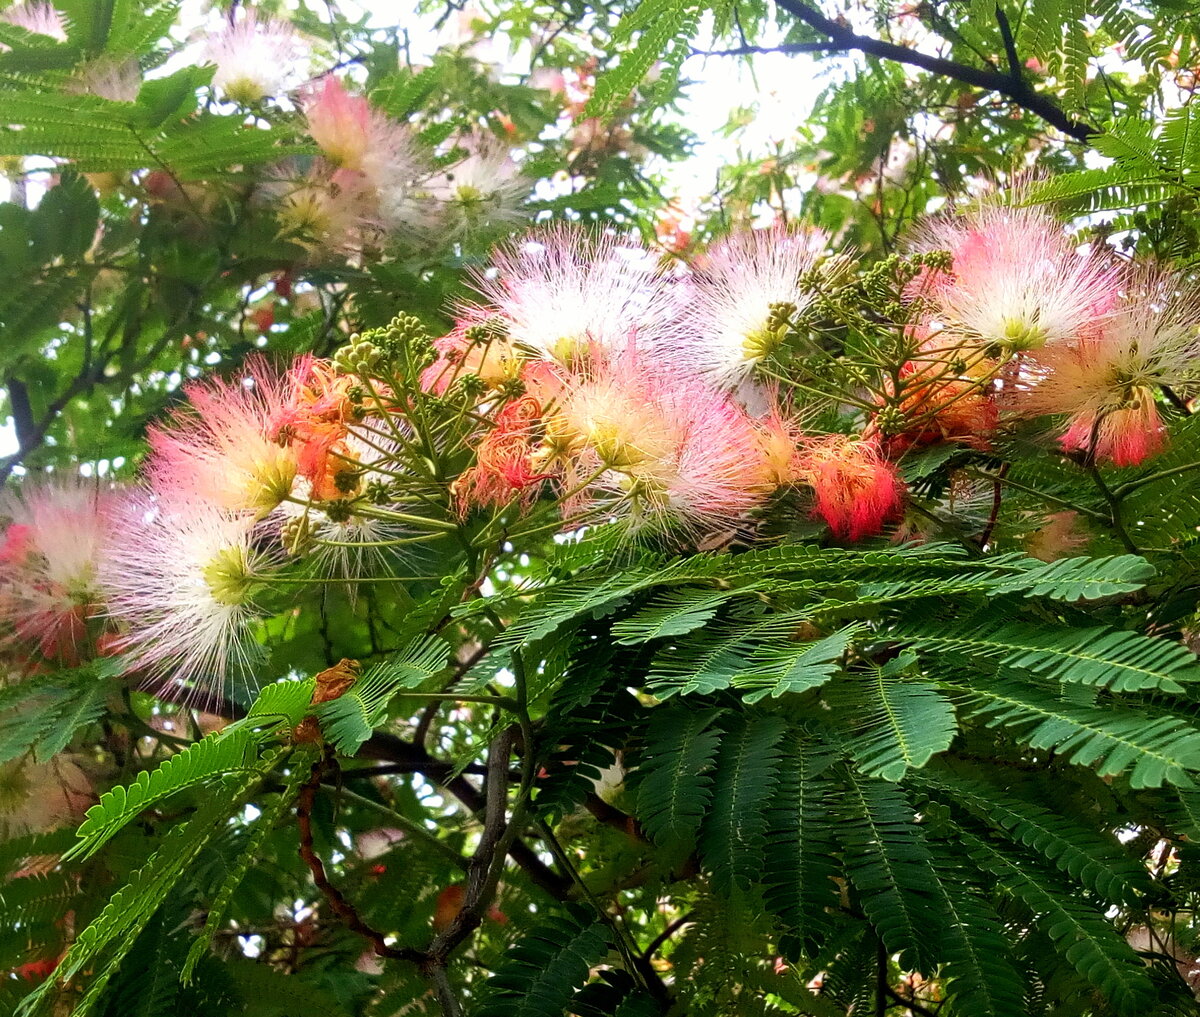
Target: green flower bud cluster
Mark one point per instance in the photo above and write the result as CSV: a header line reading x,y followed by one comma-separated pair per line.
x,y
296,536
405,334
890,420
359,356
486,332
511,388
339,510
468,387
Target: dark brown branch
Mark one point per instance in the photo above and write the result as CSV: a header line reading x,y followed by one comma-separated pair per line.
x,y
408,758
337,901
785,47
1015,88
673,927
997,497
911,1004
614,817
483,869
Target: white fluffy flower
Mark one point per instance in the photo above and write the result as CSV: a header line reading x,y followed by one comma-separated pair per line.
x,y
562,290
729,326
254,59
37,17
182,578
482,191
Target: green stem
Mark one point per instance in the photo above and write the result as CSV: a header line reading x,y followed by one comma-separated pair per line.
x,y
1132,485
1054,499
1114,506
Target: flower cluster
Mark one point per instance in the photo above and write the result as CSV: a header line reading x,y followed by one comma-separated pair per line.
x,y
592,383
1022,324
642,400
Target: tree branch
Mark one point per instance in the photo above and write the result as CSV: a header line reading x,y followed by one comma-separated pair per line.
x,y
408,758
1015,87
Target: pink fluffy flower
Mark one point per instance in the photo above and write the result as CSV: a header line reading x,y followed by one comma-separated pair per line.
x,y
224,450
49,560
38,17
1016,278
339,122
664,453
562,290
739,299
1106,383
182,578
254,59
857,490
323,210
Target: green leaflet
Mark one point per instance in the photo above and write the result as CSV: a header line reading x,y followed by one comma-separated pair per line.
x,y
540,973
349,720
1112,658
132,907
897,722
802,839
732,835
1096,863
1083,935
197,764
976,951
674,785
673,613
889,864
665,28
301,764
1154,749
44,711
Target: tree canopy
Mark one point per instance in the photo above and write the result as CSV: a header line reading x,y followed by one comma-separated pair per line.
x,y
448,567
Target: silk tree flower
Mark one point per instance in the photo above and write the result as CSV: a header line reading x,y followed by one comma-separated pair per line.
x,y
224,448
1106,384
740,299
324,211
313,420
945,394
50,556
483,191
1015,279
856,490
505,460
358,138
37,797
119,81
182,577
474,346
562,290
254,59
38,17
667,454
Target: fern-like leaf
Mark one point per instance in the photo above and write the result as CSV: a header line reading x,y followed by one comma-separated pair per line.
x,y
733,833
674,782
890,867
802,838
1084,936
541,972
1100,656
1153,748
197,764
897,722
